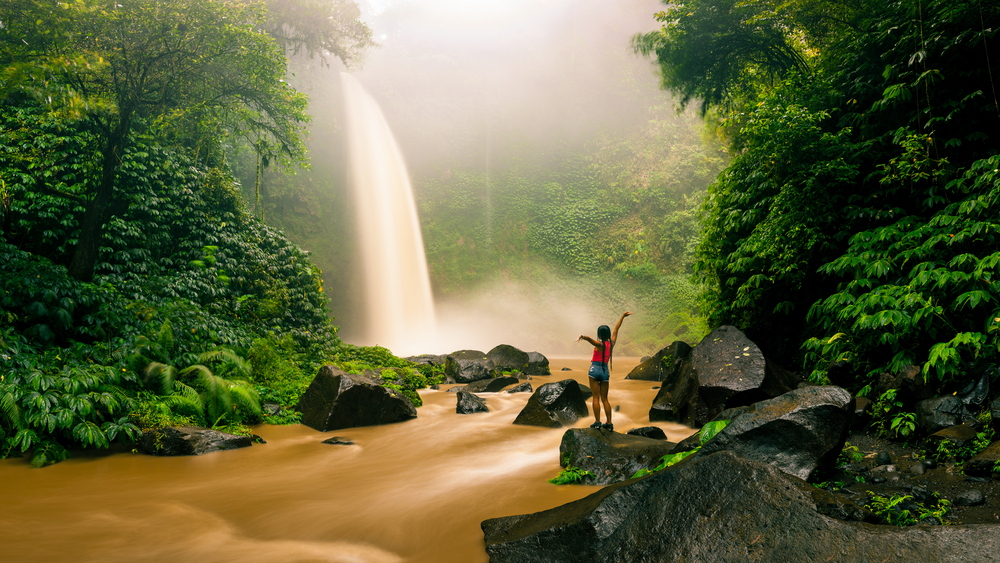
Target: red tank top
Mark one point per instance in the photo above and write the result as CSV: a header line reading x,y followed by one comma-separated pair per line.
x,y
597,354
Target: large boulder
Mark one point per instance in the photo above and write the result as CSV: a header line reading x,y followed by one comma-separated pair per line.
x,y
190,440
508,358
522,388
466,366
678,399
470,404
428,359
940,413
662,364
732,371
610,456
537,364
491,385
723,509
337,400
554,405
798,432
724,370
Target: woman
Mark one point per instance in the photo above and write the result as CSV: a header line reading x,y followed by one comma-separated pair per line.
x,y
600,371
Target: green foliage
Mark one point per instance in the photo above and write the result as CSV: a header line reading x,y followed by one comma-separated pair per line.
x,y
849,454
570,475
51,401
707,432
875,169
888,418
892,511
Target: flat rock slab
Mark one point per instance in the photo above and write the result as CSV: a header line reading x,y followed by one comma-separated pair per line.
x,y
336,400
494,385
611,457
190,440
722,509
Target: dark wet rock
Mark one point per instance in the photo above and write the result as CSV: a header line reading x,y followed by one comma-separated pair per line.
x,y
456,389
862,413
929,463
798,432
687,444
722,509
338,441
910,386
972,497
270,408
982,465
522,388
190,440
428,359
610,456
648,432
923,495
940,413
466,366
878,479
976,391
958,435
840,373
656,387
470,404
732,371
508,358
587,392
554,405
494,385
883,458
662,364
256,439
995,411
566,369
337,400
644,358
724,370
537,364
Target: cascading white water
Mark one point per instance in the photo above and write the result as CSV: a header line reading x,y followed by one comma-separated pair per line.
x,y
399,306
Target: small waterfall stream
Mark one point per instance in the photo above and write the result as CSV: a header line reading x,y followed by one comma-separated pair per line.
x,y
399,306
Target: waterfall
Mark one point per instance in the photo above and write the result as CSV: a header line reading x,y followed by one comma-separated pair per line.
x,y
399,306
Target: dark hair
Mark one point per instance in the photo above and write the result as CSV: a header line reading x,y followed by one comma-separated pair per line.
x,y
604,333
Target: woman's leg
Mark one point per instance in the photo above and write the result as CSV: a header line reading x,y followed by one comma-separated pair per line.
x,y
604,385
595,389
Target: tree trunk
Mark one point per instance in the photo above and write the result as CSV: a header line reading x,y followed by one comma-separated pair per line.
x,y
92,227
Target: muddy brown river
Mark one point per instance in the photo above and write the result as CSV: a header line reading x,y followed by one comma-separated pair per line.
x,y
411,492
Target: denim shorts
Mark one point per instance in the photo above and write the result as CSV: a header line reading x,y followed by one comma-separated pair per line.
x,y
599,372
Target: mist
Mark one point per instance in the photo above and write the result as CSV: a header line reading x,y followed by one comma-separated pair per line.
x,y
479,85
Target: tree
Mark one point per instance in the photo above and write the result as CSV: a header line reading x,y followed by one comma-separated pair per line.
x,y
187,71
718,50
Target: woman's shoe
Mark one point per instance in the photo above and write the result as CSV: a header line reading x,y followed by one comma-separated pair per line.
x,y
609,426
596,425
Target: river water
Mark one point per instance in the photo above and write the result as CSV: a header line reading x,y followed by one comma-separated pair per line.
x,y
410,492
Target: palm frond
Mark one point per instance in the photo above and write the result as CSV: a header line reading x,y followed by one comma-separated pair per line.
x,y
10,411
245,396
158,375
